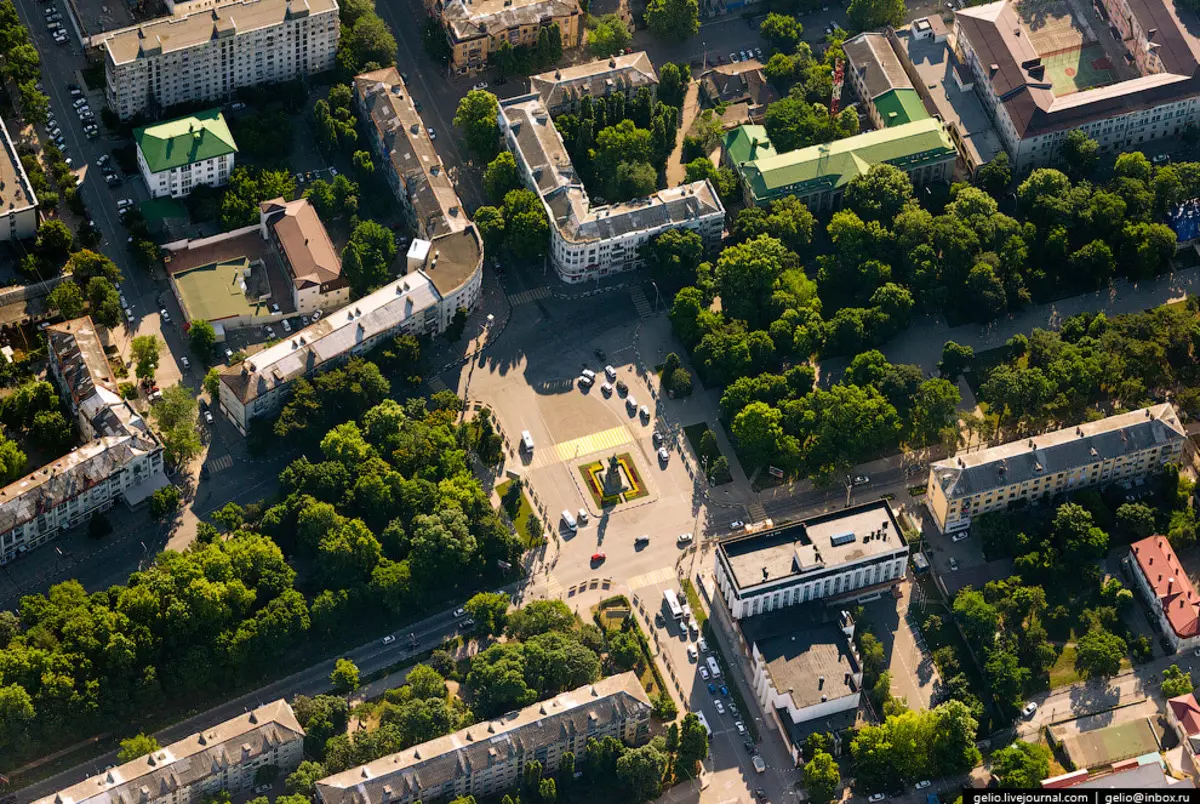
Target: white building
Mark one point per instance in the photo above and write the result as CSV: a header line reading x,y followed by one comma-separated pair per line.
x,y
852,554
208,53
488,758
121,458
1120,448
260,384
179,155
18,204
223,758
1164,586
588,242
307,254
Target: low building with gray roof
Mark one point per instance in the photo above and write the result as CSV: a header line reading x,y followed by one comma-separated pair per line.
x,y
487,758
1120,448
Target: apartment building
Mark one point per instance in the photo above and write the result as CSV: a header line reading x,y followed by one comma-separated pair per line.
x,y
852,554
488,758
449,248
225,758
179,155
259,385
307,254
741,84
880,81
562,88
207,54
1165,588
475,29
588,242
120,459
1146,87
1120,448
18,204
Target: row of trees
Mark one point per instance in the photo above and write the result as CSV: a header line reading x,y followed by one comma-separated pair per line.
x,y
90,286
21,64
913,745
366,41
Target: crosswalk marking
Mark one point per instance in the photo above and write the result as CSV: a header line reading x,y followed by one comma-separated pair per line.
x,y
437,385
220,464
526,296
605,439
651,578
640,304
756,511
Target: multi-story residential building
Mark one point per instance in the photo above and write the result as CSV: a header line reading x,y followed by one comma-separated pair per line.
x,y
449,249
224,758
260,384
120,459
818,175
1120,448
307,254
18,204
881,82
475,29
179,155
1183,713
1143,58
741,83
488,758
562,88
845,555
589,242
1166,590
207,54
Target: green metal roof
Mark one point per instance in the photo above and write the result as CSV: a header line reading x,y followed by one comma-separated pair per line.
x,y
833,164
740,144
185,140
899,106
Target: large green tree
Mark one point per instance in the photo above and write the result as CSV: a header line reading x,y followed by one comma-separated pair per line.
x,y
673,20
476,118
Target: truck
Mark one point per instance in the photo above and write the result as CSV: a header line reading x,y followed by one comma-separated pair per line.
x,y
713,667
759,765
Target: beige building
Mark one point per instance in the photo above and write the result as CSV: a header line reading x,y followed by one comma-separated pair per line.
x,y
488,758
475,28
563,88
1120,448
225,757
207,54
307,254
18,204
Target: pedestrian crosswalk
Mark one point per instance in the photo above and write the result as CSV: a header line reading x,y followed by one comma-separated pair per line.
x,y
756,511
526,296
660,575
436,385
220,464
596,442
639,302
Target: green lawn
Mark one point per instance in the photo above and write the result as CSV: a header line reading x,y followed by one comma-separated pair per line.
x,y
693,600
1063,672
524,512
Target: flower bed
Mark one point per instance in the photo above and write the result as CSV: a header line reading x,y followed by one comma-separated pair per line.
x,y
593,477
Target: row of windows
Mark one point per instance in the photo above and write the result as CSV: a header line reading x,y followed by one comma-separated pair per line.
x,y
843,582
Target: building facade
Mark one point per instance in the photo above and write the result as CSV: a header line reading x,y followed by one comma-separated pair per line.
x,y
207,54
18,204
1117,449
586,242
851,554
179,155
742,82
881,82
307,254
475,29
563,88
1164,587
488,758
223,758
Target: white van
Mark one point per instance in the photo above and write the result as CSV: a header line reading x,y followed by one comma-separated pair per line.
x,y
569,519
526,441
713,667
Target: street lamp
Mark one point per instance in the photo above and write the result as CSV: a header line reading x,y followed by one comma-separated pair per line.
x,y
657,295
705,62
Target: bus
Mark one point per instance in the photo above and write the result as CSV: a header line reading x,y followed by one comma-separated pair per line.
x,y
672,601
704,722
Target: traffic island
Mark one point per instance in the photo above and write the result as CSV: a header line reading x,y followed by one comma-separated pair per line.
x,y
613,481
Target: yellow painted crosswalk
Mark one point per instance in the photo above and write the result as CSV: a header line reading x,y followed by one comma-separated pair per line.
x,y
596,442
661,575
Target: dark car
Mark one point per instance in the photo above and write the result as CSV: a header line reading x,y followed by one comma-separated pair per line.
x,y
750,747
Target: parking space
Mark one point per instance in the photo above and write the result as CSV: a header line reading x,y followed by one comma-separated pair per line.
x,y
894,623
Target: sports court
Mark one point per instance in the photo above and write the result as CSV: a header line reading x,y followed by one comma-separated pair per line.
x,y
1093,749
1086,68
1063,32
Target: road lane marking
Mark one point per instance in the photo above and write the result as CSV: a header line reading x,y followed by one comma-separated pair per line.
x,y
651,578
585,445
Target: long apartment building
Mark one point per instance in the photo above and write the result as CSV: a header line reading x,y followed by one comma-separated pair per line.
x,y
121,459
488,758
1120,448
207,54
1137,78
563,88
18,204
1165,588
845,555
588,242
223,758
449,249
475,29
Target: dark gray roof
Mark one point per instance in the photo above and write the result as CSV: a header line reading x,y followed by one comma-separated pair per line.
x,y
1062,450
806,655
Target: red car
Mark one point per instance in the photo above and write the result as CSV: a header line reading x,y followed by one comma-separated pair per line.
x,y
597,557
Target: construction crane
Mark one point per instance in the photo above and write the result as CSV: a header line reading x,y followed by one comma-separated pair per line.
x,y
839,74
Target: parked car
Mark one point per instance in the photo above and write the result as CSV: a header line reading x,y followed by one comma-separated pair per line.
x,y
481,85
432,134
186,363
740,727
389,639
704,675
874,798
960,536
953,564
720,707
165,315
598,558
737,524
208,417
641,540
684,538
663,455
1029,709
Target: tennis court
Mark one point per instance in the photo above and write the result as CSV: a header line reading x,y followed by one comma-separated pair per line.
x,y
1111,744
1075,71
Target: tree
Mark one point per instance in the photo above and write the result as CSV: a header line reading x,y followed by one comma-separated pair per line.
x,y
1021,764
490,611
693,742
663,707
145,350
1176,682
344,677
758,429
367,258
866,15
104,302
879,194
137,746
476,117
1098,654
955,360
822,778
674,256
67,299
540,617
54,240
1080,153
434,40
1074,530
781,31
501,176
84,265
609,36
212,383
673,20
1136,519
995,176
641,770
164,502
746,274
52,430
35,105
202,338
367,41
175,413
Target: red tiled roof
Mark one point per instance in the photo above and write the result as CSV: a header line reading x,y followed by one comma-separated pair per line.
x,y
1166,576
1187,712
